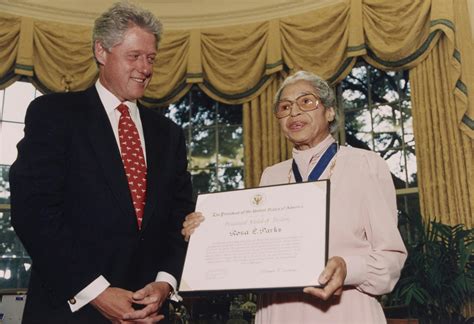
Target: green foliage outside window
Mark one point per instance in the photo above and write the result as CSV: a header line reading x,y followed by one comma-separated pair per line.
x,y
214,139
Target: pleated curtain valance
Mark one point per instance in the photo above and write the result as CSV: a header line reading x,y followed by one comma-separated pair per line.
x,y
236,63
246,63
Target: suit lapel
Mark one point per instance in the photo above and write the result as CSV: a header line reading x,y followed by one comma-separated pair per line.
x,y
102,139
154,156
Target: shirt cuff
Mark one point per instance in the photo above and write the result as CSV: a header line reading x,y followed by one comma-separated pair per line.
x,y
166,277
356,270
86,295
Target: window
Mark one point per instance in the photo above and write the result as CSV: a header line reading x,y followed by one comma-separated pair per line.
x,y
214,140
375,109
14,261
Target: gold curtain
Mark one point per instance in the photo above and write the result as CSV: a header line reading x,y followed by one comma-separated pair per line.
x,y
9,37
243,64
62,62
169,80
318,41
234,62
264,143
445,160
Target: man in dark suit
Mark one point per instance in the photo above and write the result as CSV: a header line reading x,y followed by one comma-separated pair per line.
x,y
100,189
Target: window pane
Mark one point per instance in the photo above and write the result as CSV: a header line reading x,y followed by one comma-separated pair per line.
x,y
354,89
408,206
404,85
396,163
4,184
411,166
15,263
231,178
204,180
203,147
10,135
383,86
359,129
400,158
386,118
381,121
214,139
407,120
231,147
17,98
179,112
230,114
203,109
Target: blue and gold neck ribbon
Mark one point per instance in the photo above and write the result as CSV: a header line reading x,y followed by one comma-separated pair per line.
x,y
320,166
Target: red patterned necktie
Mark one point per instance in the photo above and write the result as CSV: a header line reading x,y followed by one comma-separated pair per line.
x,y
133,161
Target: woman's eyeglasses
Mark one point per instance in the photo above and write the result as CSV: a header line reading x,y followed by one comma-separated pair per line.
x,y
306,102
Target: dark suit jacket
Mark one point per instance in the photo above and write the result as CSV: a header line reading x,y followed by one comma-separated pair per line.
x,y
72,209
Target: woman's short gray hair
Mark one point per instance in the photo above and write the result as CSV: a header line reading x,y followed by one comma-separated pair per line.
x,y
322,88
111,26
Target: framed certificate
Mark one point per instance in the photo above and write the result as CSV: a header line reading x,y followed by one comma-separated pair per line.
x,y
273,237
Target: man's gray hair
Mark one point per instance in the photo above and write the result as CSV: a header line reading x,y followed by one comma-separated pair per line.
x,y
110,27
322,88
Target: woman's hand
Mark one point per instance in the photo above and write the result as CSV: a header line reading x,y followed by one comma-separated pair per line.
x,y
191,223
332,278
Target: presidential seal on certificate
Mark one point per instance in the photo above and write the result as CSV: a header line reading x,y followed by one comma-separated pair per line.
x,y
263,238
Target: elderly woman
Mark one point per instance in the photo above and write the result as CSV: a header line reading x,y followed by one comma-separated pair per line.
x,y
365,248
